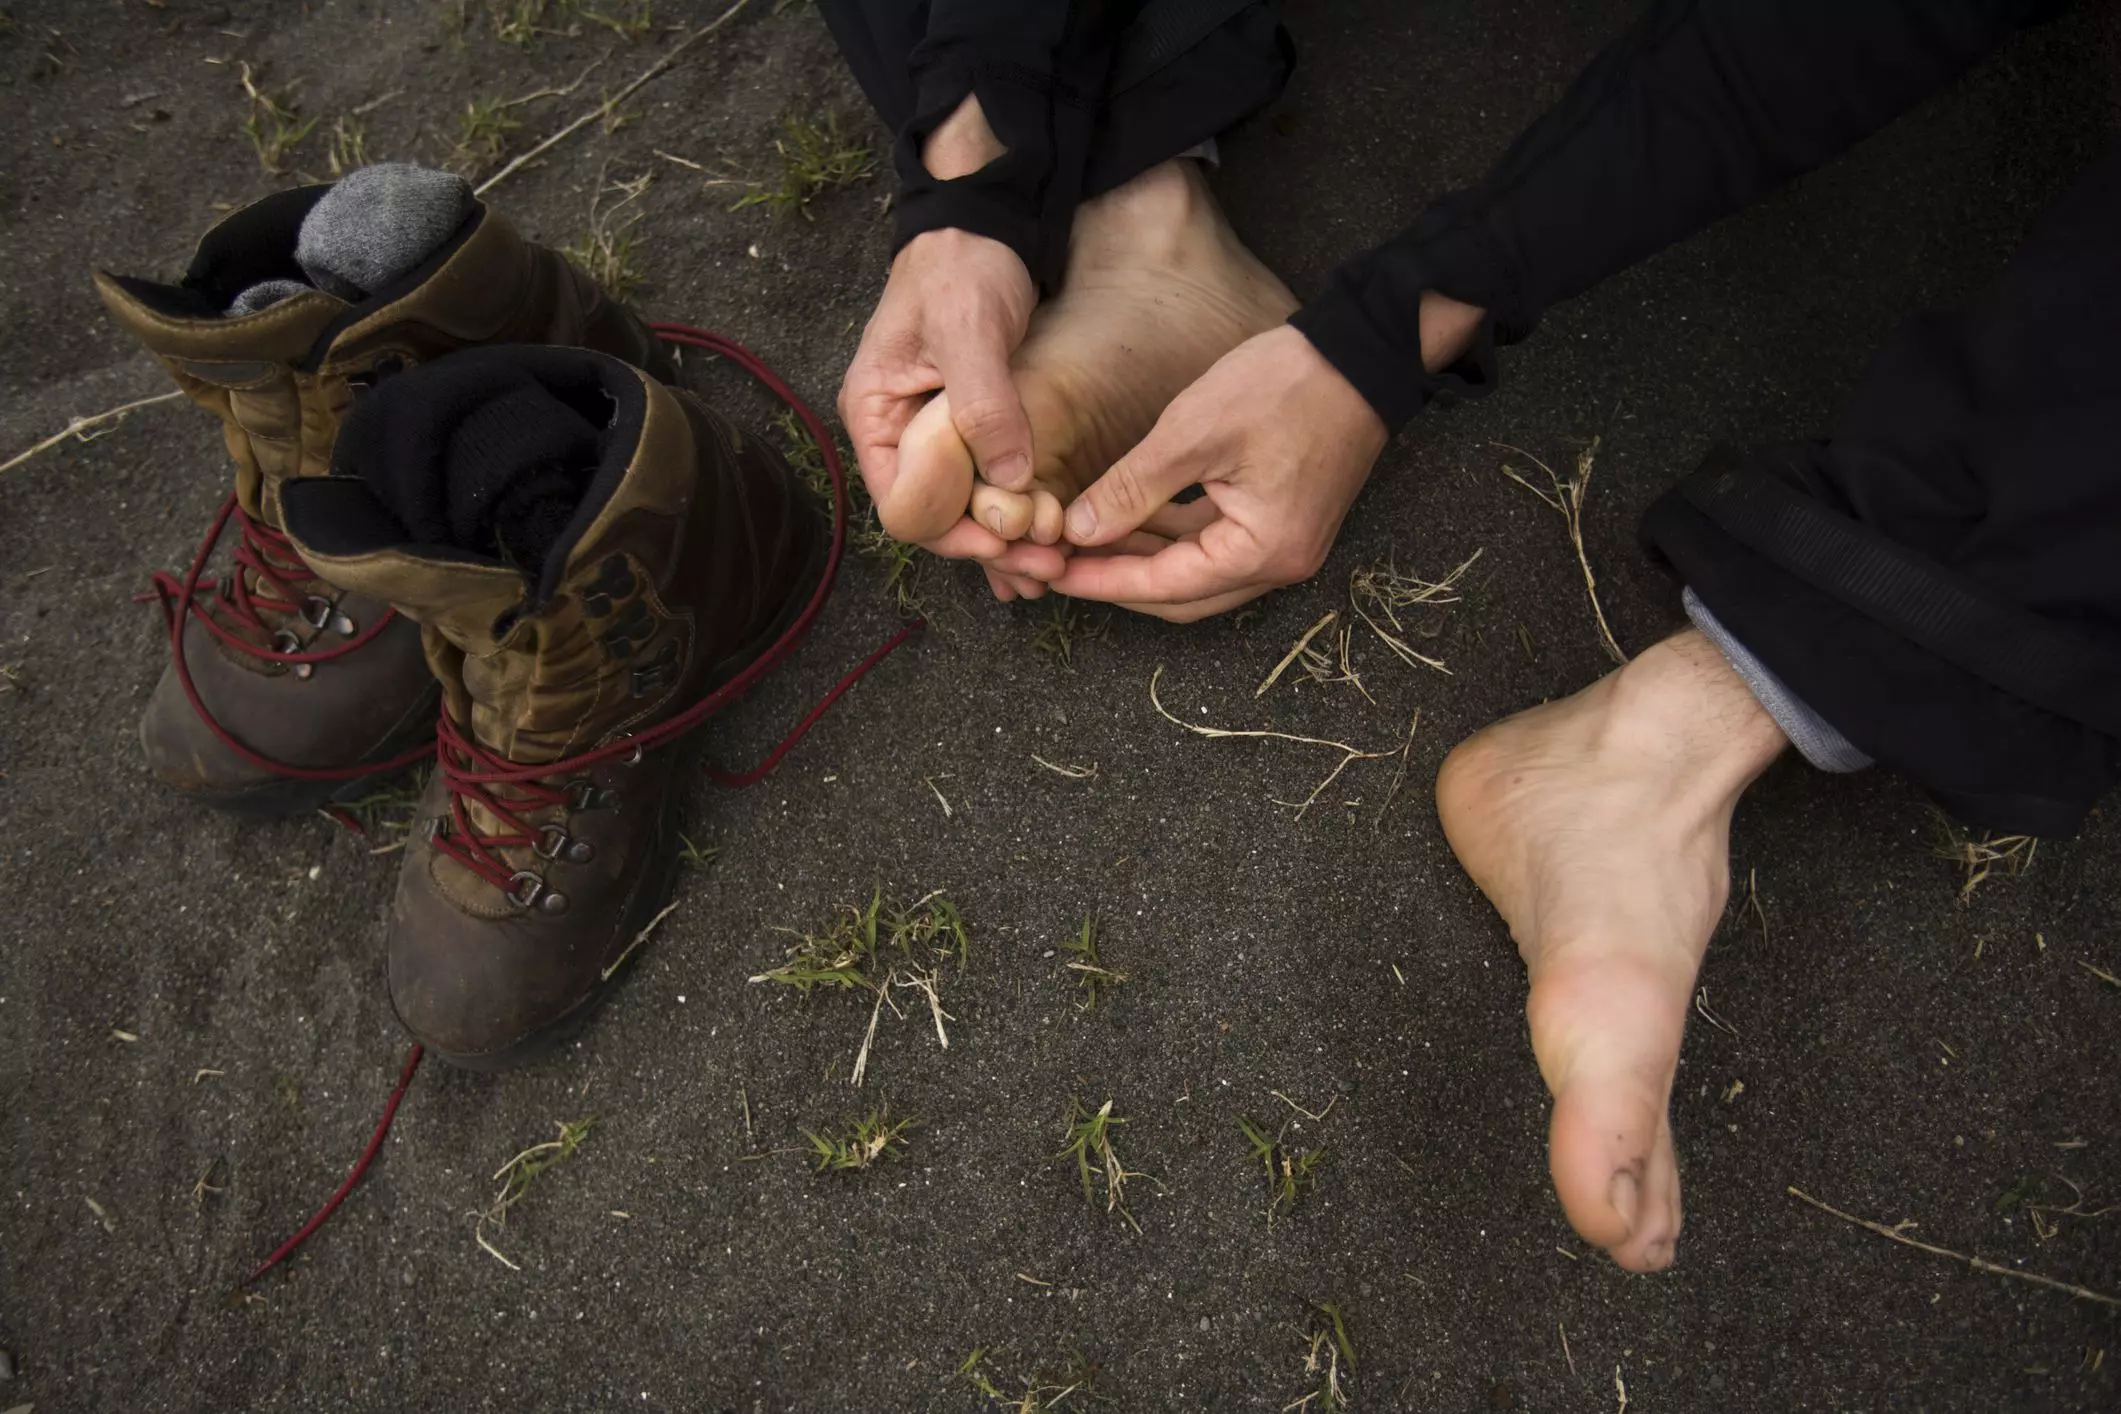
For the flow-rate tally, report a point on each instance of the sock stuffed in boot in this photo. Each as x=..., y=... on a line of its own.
x=375, y=224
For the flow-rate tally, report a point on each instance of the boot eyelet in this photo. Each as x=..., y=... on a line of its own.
x=556, y=844
x=552, y=903
x=584, y=794
x=527, y=889
x=316, y=611
x=285, y=642
x=633, y=758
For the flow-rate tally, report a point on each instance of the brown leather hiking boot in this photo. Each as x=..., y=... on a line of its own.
x=285, y=690
x=590, y=554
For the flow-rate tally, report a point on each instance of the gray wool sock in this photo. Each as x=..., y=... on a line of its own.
x=1815, y=738
x=375, y=224
x=263, y=295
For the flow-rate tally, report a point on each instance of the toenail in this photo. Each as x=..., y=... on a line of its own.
x=994, y=518
x=1625, y=1194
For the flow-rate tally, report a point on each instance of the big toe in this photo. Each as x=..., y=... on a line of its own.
x=935, y=474
x=1608, y=1044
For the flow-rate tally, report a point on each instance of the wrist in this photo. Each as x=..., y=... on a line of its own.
x=1448, y=328
x=962, y=143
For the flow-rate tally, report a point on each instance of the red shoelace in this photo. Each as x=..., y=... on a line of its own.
x=263, y=557
x=476, y=774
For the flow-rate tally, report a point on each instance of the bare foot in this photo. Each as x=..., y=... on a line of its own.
x=1158, y=288
x=1599, y=827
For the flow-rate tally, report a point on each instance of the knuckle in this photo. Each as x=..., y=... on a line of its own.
x=1124, y=491
x=983, y=415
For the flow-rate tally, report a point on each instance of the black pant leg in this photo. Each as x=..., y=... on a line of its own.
x=1941, y=578
x=1185, y=71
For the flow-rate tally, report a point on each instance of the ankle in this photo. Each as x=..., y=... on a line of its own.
x=1682, y=703
x=1147, y=214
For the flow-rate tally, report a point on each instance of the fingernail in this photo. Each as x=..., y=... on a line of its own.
x=1011, y=471
x=1082, y=520
x=1626, y=1197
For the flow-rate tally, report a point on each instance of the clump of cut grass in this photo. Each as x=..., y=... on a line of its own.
x=628, y=19
x=1383, y=591
x=1042, y=1391
x=609, y=252
x=865, y=531
x=273, y=121
x=1089, y=1143
x=387, y=813
x=516, y=1177
x=1067, y=623
x=483, y=131
x=1977, y=857
x=861, y=1143
x=815, y=156
x=524, y=22
x=1093, y=979
x=1327, y=1351
x=349, y=145
x=1316, y=663
x=695, y=855
x=881, y=949
x=1291, y=1173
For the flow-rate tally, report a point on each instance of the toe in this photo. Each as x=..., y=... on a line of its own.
x=1048, y=517
x=1006, y=513
x=1607, y=1038
x=934, y=482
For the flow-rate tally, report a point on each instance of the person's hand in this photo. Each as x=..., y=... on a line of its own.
x=954, y=309
x=1281, y=443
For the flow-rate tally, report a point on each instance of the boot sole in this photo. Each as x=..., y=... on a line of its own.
x=292, y=796
x=660, y=879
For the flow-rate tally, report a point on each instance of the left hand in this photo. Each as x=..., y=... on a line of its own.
x=1281, y=443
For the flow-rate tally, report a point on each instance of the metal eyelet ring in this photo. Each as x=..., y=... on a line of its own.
x=556, y=844
x=530, y=891
x=285, y=642
x=585, y=794
x=634, y=757
x=321, y=614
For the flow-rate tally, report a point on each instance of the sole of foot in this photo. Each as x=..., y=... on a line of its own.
x=1158, y=288
x=1599, y=827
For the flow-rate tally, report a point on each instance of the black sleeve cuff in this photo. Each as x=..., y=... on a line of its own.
x=1375, y=343
x=1025, y=199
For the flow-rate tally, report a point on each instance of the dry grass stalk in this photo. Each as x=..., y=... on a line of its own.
x=612, y=101
x=1349, y=753
x=1980, y=857
x=1382, y=591
x=1566, y=497
x=1898, y=1233
x=79, y=427
x=609, y=252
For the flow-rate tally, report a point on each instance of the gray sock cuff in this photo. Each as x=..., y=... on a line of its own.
x=1815, y=738
x=1208, y=153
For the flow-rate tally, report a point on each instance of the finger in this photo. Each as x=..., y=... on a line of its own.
x=966, y=541
x=1008, y=514
x=986, y=409
x=1022, y=557
x=1177, y=574
x=1181, y=518
x=1136, y=486
x=1200, y=608
x=1003, y=586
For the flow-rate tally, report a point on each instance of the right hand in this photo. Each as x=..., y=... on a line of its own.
x=954, y=309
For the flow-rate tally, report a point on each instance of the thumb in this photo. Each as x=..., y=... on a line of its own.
x=989, y=415
x=1135, y=488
